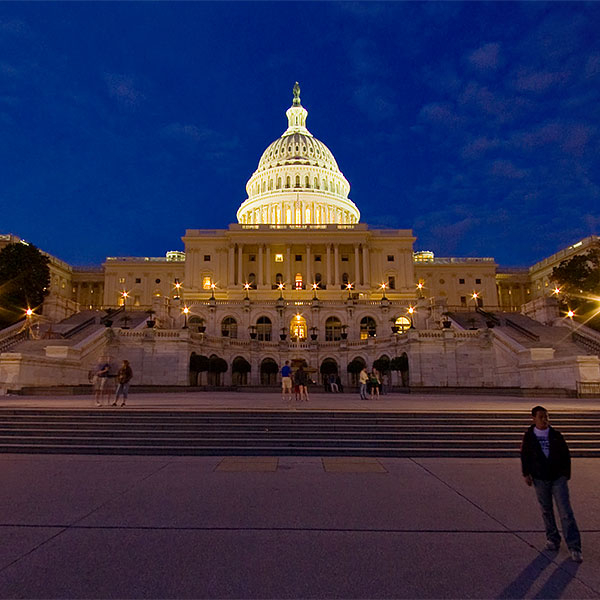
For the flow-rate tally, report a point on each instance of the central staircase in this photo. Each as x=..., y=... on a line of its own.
x=293, y=433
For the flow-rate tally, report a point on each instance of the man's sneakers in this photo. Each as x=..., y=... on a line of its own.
x=576, y=556
x=551, y=546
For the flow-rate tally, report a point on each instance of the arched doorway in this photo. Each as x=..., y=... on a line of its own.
x=216, y=366
x=355, y=366
x=268, y=372
x=298, y=328
x=240, y=368
x=401, y=364
x=329, y=368
x=333, y=329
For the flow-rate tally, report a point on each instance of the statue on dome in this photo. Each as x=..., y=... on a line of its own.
x=296, y=94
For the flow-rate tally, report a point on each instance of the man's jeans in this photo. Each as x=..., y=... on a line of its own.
x=363, y=391
x=559, y=490
x=122, y=388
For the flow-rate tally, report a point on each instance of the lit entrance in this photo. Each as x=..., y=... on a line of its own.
x=298, y=328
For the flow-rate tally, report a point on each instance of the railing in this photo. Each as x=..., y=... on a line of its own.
x=489, y=316
x=588, y=388
x=528, y=334
x=587, y=341
x=9, y=341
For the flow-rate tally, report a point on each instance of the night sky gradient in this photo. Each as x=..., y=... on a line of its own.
x=475, y=124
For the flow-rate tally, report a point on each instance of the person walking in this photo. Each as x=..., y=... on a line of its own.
x=363, y=378
x=546, y=465
x=286, y=381
x=123, y=378
x=333, y=387
x=301, y=382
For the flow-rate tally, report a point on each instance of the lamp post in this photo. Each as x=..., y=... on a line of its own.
x=280, y=286
x=315, y=287
x=124, y=295
x=177, y=290
x=252, y=332
x=349, y=289
x=29, y=316
x=475, y=296
x=383, y=286
x=246, y=288
x=185, y=312
x=212, y=291
x=314, y=333
x=420, y=287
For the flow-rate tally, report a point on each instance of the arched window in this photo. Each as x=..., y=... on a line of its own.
x=263, y=329
x=298, y=281
x=333, y=329
x=325, y=184
x=270, y=184
x=368, y=328
x=229, y=327
x=306, y=182
x=307, y=218
x=403, y=324
x=298, y=329
x=252, y=280
x=297, y=180
x=278, y=182
x=288, y=215
x=316, y=183
x=318, y=278
x=278, y=278
x=263, y=187
x=345, y=281
x=287, y=181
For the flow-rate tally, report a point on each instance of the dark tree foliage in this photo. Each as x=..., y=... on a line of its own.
x=269, y=367
x=241, y=365
x=329, y=367
x=579, y=281
x=382, y=364
x=217, y=365
x=24, y=281
x=399, y=363
x=198, y=363
x=356, y=365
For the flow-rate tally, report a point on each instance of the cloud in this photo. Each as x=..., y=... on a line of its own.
x=213, y=144
x=507, y=169
x=479, y=146
x=539, y=81
x=13, y=27
x=123, y=88
x=486, y=58
x=440, y=113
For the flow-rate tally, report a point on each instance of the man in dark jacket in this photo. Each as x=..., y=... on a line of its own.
x=546, y=464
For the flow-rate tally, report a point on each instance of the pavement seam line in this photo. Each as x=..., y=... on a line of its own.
x=74, y=525
x=515, y=533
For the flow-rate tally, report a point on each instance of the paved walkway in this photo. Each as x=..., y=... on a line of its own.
x=267, y=527
x=318, y=401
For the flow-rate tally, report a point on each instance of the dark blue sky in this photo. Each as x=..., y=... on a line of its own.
x=475, y=124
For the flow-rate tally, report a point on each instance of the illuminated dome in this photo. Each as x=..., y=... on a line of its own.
x=297, y=181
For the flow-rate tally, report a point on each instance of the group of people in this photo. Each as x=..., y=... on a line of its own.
x=369, y=384
x=296, y=381
x=108, y=385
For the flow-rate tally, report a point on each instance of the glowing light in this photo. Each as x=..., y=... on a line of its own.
x=411, y=310
x=178, y=285
x=29, y=312
x=570, y=314
x=281, y=286
x=315, y=286
x=556, y=290
x=475, y=295
x=186, y=310
x=383, y=286
x=420, y=286
x=246, y=286
x=125, y=295
x=213, y=286
x=348, y=286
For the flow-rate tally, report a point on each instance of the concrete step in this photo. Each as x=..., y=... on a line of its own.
x=124, y=431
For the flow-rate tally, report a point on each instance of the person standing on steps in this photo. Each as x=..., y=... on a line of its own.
x=546, y=465
x=286, y=381
x=123, y=378
x=363, y=379
x=301, y=381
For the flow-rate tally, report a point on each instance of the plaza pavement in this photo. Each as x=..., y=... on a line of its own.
x=287, y=527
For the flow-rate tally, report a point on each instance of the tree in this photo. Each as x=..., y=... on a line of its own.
x=382, y=364
x=579, y=282
x=24, y=281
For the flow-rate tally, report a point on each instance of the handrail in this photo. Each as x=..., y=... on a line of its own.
x=80, y=327
x=488, y=315
x=532, y=336
x=584, y=340
x=9, y=341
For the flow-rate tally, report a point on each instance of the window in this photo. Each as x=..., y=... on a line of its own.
x=138, y=280
x=263, y=329
x=392, y=282
x=390, y=257
x=121, y=279
x=403, y=324
x=297, y=180
x=136, y=300
x=206, y=283
x=252, y=280
x=344, y=258
x=229, y=327
x=463, y=300
x=298, y=282
x=317, y=258
x=207, y=258
x=461, y=281
x=298, y=257
x=368, y=327
x=279, y=258
x=252, y=258
x=478, y=281
x=442, y=281
x=333, y=329
x=157, y=281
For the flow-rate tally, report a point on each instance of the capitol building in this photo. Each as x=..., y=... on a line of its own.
x=298, y=277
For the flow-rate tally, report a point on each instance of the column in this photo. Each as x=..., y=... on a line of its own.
x=231, y=267
x=288, y=267
x=240, y=254
x=328, y=263
x=260, y=281
x=356, y=266
x=336, y=265
x=309, y=277
x=366, y=273
x=269, y=280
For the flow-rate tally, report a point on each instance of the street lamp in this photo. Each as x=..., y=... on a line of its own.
x=212, y=291
x=475, y=297
x=420, y=287
x=185, y=311
x=177, y=290
x=315, y=287
x=314, y=332
x=349, y=287
x=124, y=295
x=280, y=286
x=383, y=286
x=247, y=286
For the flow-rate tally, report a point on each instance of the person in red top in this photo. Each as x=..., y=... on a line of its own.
x=546, y=465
